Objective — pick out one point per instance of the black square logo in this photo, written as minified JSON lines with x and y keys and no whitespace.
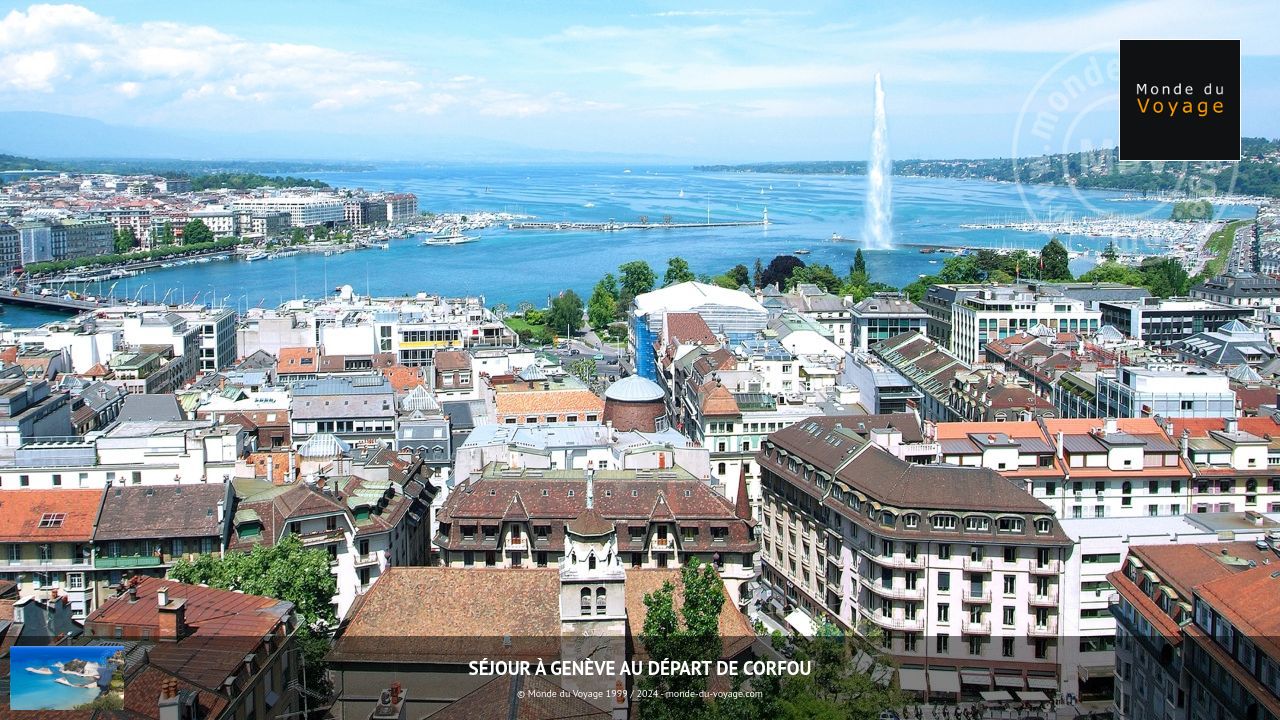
{"x":1179,"y":99}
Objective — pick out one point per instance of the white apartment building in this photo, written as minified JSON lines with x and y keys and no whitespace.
{"x":131,"y":453}
{"x":304,"y":210}
{"x":1165,"y":391}
{"x":997,"y":312}
{"x":222,"y":222}
{"x":958,"y":569}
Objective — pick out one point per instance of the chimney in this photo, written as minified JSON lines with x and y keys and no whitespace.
{"x":222,"y":510}
{"x":391,"y":704}
{"x":162,"y":595}
{"x":1059,"y":445}
{"x":1185,"y":443}
{"x":173,"y":620}
{"x":1232,"y":424}
{"x":133,"y":595}
{"x":170,"y":704}
{"x":1110,"y":426}
{"x":591,"y":485}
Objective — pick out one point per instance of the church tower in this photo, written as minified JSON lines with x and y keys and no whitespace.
{"x":593,"y":605}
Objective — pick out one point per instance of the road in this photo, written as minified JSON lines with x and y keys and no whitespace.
{"x":608,"y":366}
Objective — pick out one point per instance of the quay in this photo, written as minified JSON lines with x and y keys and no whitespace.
{"x":612,"y":226}
{"x":52,"y":302}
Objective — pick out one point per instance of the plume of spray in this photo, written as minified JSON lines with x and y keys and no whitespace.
{"x":877,"y":233}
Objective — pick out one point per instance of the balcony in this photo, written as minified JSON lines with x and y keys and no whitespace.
{"x":977,"y":596}
{"x":897,"y":623}
{"x":896,"y":593}
{"x":517,"y":543}
{"x":128,"y":561}
{"x":663,"y":544}
{"x":323,"y":537}
{"x":972,"y":565}
{"x":1048,"y":628}
{"x":893,"y":561}
{"x":1043,"y":600}
{"x":1052,"y":567}
{"x":368,"y":559}
{"x":982,"y":627}
{"x":50,"y":564}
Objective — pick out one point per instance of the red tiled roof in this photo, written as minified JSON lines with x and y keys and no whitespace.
{"x":1200,"y":427}
{"x":402,"y":378}
{"x":297,"y":360}
{"x":33,"y":515}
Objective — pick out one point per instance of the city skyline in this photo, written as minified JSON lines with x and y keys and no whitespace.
{"x":664,"y":82}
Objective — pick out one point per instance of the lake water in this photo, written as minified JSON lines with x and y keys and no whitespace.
{"x":514,"y":265}
{"x":32,"y":691}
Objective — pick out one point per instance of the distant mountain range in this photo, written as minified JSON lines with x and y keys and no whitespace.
{"x":52,"y":136}
{"x":1258,"y":170}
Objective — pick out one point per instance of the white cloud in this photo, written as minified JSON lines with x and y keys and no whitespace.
{"x":202,"y":72}
{"x":1253,"y":21}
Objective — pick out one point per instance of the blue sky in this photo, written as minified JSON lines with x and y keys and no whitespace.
{"x":688,"y":80}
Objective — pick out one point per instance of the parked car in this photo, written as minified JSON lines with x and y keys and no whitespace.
{"x":598,"y":356}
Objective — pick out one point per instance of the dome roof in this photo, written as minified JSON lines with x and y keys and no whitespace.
{"x":590,"y":524}
{"x":634,"y":388}
{"x":323,"y":445}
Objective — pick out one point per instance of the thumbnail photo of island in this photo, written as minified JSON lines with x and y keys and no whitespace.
{"x":66,"y":678}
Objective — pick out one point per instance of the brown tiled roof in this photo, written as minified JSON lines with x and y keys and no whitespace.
{"x":22,"y":513}
{"x":687,"y":328}
{"x":589,"y":524}
{"x":1200,"y":427}
{"x":98,"y":371}
{"x":455,"y":615}
{"x":224,"y":627}
{"x":520,"y":697}
{"x":1183,"y":566}
{"x":164,"y":511}
{"x":452,"y":360}
{"x":143,"y":692}
{"x":717,"y":400}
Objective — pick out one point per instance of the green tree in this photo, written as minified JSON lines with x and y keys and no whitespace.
{"x":1054,"y":261}
{"x":1110,"y":254}
{"x":739,"y":275}
{"x":779,"y":271}
{"x":677,"y":272}
{"x":565,"y":313}
{"x":125,"y":241}
{"x":757,"y":274}
{"x":697,"y":638}
{"x":1165,"y":277}
{"x":287,"y":571}
{"x":850,"y":677}
{"x":859,"y":262}
{"x":196,"y":232}
{"x":602,"y":308}
{"x":637,"y":278}
{"x":321,"y":232}
{"x":166,"y":235}
{"x":584,"y":368}
{"x":501,"y":310}
{"x":297,"y":236}
{"x":821,"y":275}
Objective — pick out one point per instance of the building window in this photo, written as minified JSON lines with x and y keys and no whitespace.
{"x":1006,"y":647}
{"x":585,"y":602}
{"x":944,"y":613}
{"x":601,"y":603}
{"x":942,"y":644}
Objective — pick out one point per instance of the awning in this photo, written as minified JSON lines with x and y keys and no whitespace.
{"x":976,"y":677}
{"x":1033,"y":696}
{"x":1009,"y":681}
{"x":1044,"y":683}
{"x":801,"y":623}
{"x":911,"y":679}
{"x":944,"y":681}
{"x":996,"y":696}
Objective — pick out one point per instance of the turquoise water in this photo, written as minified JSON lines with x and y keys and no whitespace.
{"x":513,"y":265}
{"x":30,"y":691}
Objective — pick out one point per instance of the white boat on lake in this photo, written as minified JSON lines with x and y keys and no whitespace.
{"x":452,"y":238}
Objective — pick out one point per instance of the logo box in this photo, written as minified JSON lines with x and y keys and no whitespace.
{"x":1180,"y":100}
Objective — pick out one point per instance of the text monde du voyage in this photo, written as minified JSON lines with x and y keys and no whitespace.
{"x":1181,"y":99}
